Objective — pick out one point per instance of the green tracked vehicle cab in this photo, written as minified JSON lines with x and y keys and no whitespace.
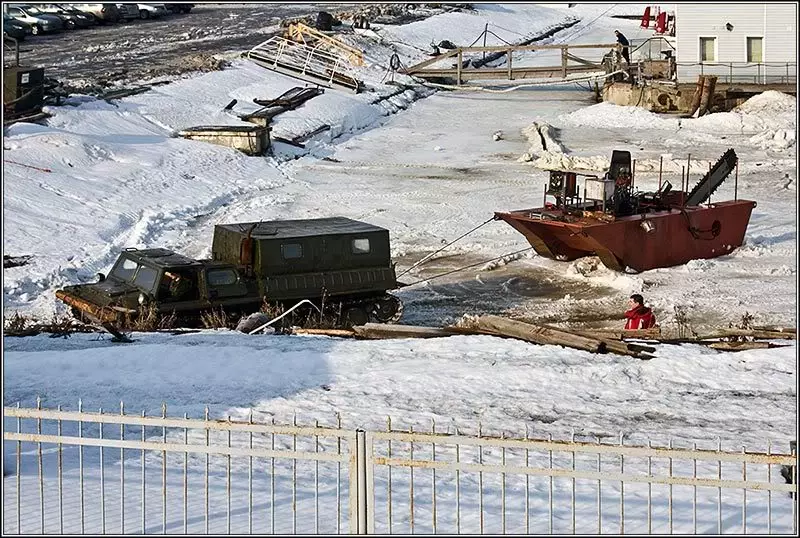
{"x":337,"y":263}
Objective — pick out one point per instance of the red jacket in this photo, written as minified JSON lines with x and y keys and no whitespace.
{"x":640,"y":317}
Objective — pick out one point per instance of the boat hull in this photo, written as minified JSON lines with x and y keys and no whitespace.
{"x":675,"y":236}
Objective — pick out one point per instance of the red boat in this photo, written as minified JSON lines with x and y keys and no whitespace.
{"x":640,"y":231}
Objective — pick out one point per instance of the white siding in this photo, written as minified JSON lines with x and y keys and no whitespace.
{"x":776,"y":23}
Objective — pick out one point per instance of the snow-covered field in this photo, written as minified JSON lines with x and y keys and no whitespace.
{"x":425,"y":166}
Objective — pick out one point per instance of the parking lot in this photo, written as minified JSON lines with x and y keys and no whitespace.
{"x":121,"y":54}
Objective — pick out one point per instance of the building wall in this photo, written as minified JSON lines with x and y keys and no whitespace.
{"x":775,"y":23}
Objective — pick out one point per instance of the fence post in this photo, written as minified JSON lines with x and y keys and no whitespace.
{"x":361,"y":481}
{"x":458,"y":73}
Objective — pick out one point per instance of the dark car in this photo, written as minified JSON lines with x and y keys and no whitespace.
{"x":16,"y":29}
{"x":103,"y":13}
{"x":40,"y":21}
{"x":73,"y":18}
{"x":179,"y":8}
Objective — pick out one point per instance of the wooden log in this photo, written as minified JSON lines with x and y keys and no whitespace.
{"x":706,"y":99}
{"x":698,"y":93}
{"x":537,"y":335}
{"x":377,"y":331}
{"x":619,"y":334}
{"x":740,"y":346}
{"x":342,"y":333}
{"x":752,"y":333}
{"x":776,"y":328}
{"x":614,"y":342}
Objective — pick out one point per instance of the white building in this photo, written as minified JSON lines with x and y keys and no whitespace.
{"x":738,"y":42}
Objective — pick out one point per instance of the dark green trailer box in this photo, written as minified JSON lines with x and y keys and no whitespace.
{"x":308,"y":257}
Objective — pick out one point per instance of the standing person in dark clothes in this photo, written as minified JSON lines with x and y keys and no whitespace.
{"x":622,"y":40}
{"x":638,"y":315}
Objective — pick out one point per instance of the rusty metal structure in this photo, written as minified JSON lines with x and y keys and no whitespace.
{"x":626,"y":228}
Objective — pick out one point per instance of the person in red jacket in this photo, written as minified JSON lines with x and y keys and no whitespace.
{"x":638,"y":316}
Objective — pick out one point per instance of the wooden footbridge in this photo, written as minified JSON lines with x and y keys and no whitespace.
{"x":464,"y":70}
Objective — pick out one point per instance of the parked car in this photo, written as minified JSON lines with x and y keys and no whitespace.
{"x":104,"y":13}
{"x":72,"y":18}
{"x":151,"y":11}
{"x":128,"y":12}
{"x":179,"y":8}
{"x":40,"y":21}
{"x":16,"y":29}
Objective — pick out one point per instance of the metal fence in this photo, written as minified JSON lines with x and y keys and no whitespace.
{"x":89,"y":473}
{"x":740,"y":72}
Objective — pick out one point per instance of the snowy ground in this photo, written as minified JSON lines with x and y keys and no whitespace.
{"x":427,"y":168}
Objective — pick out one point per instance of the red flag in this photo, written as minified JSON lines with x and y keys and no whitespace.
{"x":661,"y":22}
{"x":646,"y":18}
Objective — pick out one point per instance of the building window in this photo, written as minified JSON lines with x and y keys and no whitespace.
{"x":361,"y":246}
{"x":708,"y":47}
{"x":755,"y":49}
{"x":292,"y":251}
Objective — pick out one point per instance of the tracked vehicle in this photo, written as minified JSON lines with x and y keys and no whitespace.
{"x":343,"y":266}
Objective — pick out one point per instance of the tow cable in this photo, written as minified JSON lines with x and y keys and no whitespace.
{"x":426,"y":258}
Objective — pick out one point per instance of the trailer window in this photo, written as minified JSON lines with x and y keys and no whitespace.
{"x":125,"y":270}
{"x":221,"y":277}
{"x":292,"y":251}
{"x":361,"y":246}
{"x":146,"y":278}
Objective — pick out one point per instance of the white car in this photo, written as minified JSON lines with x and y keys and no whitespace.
{"x":151,"y":11}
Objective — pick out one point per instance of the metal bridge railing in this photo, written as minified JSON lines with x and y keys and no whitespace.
{"x":314,"y":64}
{"x":89,"y":473}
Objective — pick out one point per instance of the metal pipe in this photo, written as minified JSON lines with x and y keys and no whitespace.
{"x":61,"y":480}
{"x":164,"y":472}
{"x":744,"y":495}
{"x":121,"y":470}
{"x":102,"y":484}
{"x":411,"y":485}
{"x":144,"y":490}
{"x":80,"y":465}
{"x":669,"y":514}
{"x":621,"y":489}
{"x":228,"y":483}
{"x":208,"y":456}
{"x":660,"y":168}
{"x":185,"y":480}
{"x":389,"y":485}
{"x":480,"y":480}
{"x":433,"y":475}
{"x":19,"y":473}
{"x":250,"y":480}
{"x":39,"y":459}
{"x":599,"y":492}
{"x":736,"y":182}
{"x":694,"y":493}
{"x":294,"y":477}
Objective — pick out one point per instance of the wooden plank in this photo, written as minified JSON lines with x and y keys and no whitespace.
{"x":752,"y":333}
{"x":414,"y":68}
{"x":740,"y":346}
{"x":582,"y":61}
{"x":377,"y":331}
{"x":341,"y":333}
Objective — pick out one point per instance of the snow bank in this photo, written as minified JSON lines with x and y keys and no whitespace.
{"x":607,"y":115}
